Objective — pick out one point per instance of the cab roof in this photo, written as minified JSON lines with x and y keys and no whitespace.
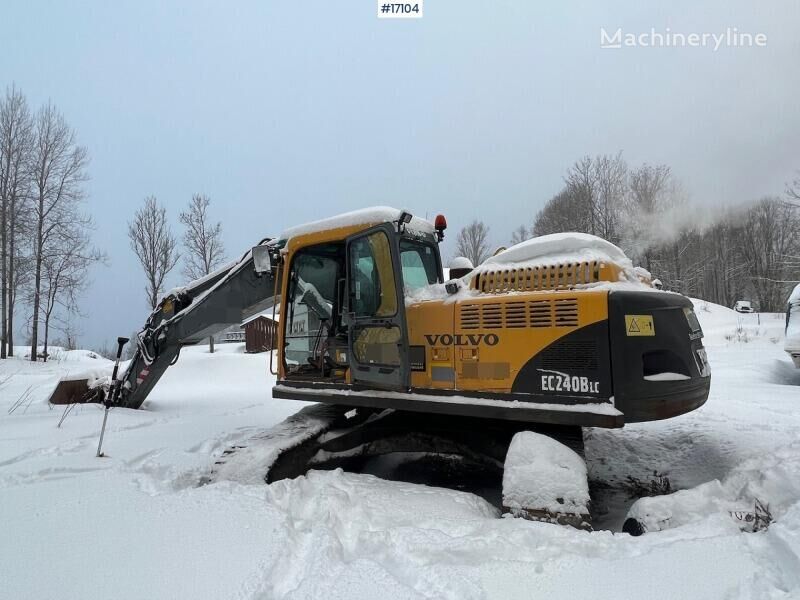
{"x":365,"y":217}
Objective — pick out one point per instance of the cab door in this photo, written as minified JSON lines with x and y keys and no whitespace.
{"x":377,"y":334}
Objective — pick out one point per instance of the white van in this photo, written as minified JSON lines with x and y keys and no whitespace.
{"x":743,"y":306}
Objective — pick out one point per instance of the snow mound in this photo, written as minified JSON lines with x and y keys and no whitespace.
{"x":252,"y":463}
{"x":58,"y":354}
{"x":795,"y":295}
{"x":543,"y":474}
{"x":569,"y":247}
{"x":364,"y":216}
{"x":330,"y":496}
{"x":461,"y":262}
{"x":771,"y":481}
{"x":559,"y":248}
{"x":717,"y":321}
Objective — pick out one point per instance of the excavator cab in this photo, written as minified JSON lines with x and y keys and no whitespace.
{"x":344,"y":318}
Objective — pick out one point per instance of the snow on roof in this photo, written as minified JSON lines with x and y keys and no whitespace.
{"x":560,"y":247}
{"x":568,"y":247}
{"x":264,"y":313}
{"x":364,"y":216}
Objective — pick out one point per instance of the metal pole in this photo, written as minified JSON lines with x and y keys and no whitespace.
{"x":102,"y":433}
{"x":111,"y":395}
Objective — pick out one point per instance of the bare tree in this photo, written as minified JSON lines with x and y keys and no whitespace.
{"x":15,"y":148}
{"x":648,"y":184}
{"x":520,"y":234}
{"x":581,"y":189}
{"x":473,"y":242}
{"x":58,"y":167}
{"x":202,"y":242}
{"x":566,"y":211}
{"x":64,"y":276}
{"x":154,"y":245}
{"x":611,"y":177}
{"x":591,"y":201}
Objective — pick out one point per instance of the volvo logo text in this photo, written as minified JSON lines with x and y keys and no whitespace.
{"x":470,"y":339}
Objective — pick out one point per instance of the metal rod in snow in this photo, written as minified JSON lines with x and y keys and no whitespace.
{"x":111,"y":395}
{"x":102,"y":432}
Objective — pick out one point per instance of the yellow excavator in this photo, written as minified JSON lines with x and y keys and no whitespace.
{"x":549,"y":336}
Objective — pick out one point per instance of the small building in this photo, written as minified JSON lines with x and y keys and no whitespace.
{"x":260,"y":332}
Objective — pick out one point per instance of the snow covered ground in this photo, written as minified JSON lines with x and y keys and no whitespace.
{"x":141,"y":524}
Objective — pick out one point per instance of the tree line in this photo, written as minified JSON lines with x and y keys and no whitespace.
{"x":45,"y":236}
{"x":715,"y":253}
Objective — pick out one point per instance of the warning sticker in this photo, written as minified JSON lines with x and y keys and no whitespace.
{"x":639,"y":325}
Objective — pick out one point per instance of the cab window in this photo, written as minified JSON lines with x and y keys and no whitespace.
{"x":373,"y":291}
{"x":311,"y":300}
{"x":419,"y":264}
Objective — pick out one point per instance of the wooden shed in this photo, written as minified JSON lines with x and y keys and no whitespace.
{"x":259,"y":332}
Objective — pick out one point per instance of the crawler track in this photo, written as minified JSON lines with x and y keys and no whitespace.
{"x":326,"y":437}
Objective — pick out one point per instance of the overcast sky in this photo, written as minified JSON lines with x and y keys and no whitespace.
{"x":284,"y":112}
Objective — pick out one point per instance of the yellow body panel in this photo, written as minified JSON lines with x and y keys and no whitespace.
{"x":430,"y":318}
{"x":486,"y":340}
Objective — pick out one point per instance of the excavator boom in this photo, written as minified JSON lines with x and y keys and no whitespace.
{"x":185,"y":316}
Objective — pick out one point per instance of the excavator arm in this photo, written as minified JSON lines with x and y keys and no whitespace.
{"x":185,"y":316}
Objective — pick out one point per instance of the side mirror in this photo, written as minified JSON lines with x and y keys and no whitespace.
{"x":262,"y":261}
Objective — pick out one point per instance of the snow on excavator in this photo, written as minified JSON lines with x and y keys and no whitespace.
{"x":549,"y":336}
